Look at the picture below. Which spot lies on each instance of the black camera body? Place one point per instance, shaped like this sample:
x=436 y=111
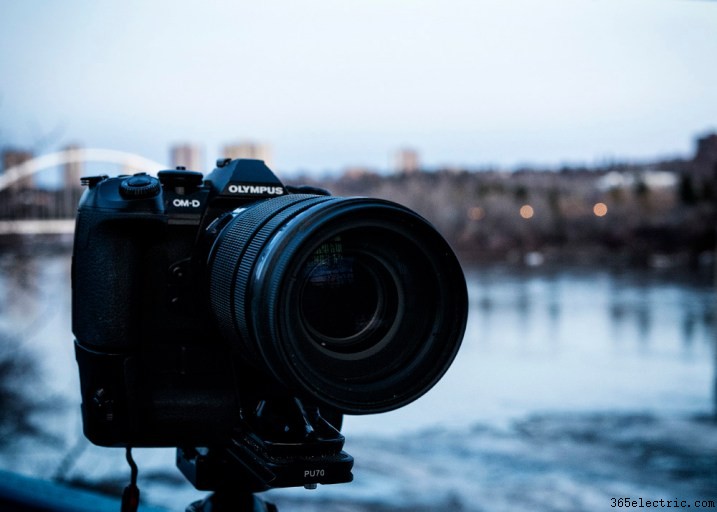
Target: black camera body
x=237 y=314
x=154 y=370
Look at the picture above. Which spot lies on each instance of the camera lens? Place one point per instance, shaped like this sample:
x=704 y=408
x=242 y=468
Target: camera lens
x=356 y=303
x=348 y=298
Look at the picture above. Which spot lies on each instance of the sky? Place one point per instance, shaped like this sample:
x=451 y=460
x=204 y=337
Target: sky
x=330 y=84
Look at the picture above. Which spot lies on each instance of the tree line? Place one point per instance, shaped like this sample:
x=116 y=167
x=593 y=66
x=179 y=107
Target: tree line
x=660 y=213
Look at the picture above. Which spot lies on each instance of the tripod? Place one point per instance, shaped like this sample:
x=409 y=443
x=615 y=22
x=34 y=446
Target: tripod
x=229 y=501
x=289 y=445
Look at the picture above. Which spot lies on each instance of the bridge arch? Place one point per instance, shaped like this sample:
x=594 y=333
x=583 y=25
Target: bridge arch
x=78 y=155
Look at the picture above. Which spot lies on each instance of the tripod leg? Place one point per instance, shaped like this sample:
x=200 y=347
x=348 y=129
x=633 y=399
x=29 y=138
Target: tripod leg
x=226 y=501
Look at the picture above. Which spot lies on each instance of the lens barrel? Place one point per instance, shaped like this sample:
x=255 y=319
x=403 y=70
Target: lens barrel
x=357 y=303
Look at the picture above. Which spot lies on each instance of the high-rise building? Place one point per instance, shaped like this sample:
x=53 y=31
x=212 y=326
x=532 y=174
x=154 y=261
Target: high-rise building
x=12 y=157
x=186 y=155
x=407 y=161
x=73 y=169
x=707 y=148
x=248 y=150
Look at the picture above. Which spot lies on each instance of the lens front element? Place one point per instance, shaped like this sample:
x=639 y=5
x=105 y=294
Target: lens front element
x=348 y=300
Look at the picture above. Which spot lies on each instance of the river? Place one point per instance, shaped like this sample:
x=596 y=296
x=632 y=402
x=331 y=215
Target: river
x=573 y=387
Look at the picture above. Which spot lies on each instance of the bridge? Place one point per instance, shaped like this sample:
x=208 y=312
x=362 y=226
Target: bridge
x=37 y=227
x=34 y=211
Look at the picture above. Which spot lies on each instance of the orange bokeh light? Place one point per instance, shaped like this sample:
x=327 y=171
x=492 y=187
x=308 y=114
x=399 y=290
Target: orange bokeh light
x=476 y=213
x=600 y=209
x=526 y=211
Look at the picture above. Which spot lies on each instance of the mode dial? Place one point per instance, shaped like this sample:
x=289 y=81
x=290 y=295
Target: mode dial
x=139 y=186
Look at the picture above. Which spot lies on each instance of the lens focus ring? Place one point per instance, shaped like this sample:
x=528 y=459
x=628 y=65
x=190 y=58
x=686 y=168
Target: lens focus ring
x=235 y=254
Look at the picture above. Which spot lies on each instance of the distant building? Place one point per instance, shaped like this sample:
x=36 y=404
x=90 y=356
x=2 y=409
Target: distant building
x=356 y=172
x=248 y=150
x=12 y=157
x=186 y=155
x=702 y=176
x=74 y=168
x=652 y=178
x=707 y=149
x=72 y=171
x=406 y=161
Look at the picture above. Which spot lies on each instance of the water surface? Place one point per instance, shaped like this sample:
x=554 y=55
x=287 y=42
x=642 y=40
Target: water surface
x=572 y=386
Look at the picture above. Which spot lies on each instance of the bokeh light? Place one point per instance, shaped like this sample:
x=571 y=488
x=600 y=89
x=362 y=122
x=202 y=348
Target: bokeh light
x=476 y=213
x=600 y=209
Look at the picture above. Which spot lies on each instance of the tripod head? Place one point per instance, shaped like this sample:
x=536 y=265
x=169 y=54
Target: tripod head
x=283 y=444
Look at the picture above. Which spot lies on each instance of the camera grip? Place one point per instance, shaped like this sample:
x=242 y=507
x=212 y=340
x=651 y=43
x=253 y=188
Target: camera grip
x=108 y=277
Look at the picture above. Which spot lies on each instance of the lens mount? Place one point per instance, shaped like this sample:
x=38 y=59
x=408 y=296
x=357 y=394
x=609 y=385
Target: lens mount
x=356 y=303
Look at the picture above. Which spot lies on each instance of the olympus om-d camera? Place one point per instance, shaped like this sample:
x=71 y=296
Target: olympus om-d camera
x=238 y=319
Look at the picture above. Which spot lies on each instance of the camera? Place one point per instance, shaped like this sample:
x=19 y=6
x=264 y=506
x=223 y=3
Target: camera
x=239 y=319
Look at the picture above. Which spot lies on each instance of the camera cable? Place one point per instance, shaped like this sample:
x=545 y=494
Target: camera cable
x=130 y=495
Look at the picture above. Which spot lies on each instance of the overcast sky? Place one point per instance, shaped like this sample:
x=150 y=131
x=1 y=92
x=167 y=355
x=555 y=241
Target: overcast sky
x=335 y=83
